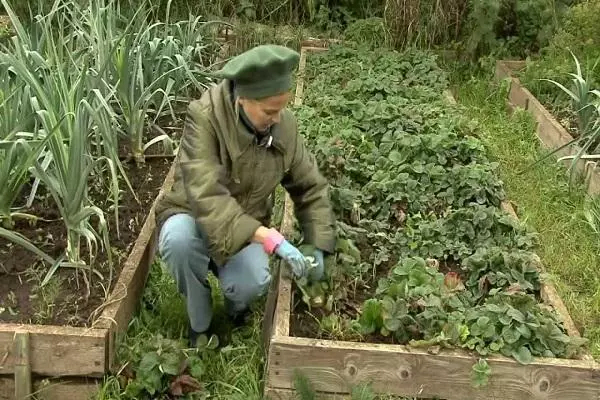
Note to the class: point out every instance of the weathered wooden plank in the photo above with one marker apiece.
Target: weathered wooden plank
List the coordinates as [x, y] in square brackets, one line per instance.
[335, 367]
[514, 65]
[124, 299]
[227, 36]
[287, 394]
[300, 78]
[281, 320]
[54, 389]
[22, 367]
[56, 351]
[270, 307]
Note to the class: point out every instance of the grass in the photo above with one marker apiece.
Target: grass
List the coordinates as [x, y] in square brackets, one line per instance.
[543, 198]
[44, 298]
[234, 372]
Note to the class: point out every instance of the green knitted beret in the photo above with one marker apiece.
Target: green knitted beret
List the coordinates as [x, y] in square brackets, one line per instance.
[262, 71]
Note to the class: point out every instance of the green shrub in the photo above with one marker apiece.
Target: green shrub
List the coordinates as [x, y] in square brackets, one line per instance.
[580, 34]
[369, 31]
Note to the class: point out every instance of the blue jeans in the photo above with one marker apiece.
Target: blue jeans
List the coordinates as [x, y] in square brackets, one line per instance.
[244, 278]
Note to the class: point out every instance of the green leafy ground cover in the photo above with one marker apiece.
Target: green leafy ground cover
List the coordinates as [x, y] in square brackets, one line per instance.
[425, 256]
[568, 245]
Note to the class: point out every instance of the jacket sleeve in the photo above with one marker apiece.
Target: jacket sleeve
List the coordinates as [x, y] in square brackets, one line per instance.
[226, 225]
[309, 191]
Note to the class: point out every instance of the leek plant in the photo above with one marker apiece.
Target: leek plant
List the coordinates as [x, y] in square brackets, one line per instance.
[586, 104]
[135, 94]
[143, 63]
[156, 66]
[16, 151]
[73, 82]
[68, 107]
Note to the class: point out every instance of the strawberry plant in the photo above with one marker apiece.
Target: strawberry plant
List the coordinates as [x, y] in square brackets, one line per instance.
[164, 368]
[426, 255]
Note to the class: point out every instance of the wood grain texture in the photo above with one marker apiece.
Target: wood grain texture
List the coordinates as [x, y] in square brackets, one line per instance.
[300, 78]
[56, 351]
[281, 319]
[54, 389]
[270, 307]
[336, 367]
[287, 394]
[227, 36]
[22, 367]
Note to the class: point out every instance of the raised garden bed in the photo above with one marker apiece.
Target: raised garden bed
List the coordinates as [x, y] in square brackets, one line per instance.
[551, 133]
[87, 348]
[337, 358]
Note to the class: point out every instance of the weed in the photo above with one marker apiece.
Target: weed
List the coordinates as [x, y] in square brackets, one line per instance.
[44, 298]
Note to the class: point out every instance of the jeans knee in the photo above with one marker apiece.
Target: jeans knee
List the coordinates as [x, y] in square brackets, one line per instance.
[181, 246]
[247, 288]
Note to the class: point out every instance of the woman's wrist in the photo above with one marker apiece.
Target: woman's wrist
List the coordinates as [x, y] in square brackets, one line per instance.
[261, 235]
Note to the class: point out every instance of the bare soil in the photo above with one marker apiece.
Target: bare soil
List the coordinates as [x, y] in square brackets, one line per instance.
[63, 301]
[304, 322]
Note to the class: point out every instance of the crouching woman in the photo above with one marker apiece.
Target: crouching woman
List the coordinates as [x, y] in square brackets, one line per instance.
[239, 142]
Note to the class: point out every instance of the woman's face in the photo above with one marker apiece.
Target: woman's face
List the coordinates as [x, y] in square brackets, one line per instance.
[265, 112]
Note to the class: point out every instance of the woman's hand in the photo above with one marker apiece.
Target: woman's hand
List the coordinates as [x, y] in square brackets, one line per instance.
[274, 243]
[293, 257]
[318, 273]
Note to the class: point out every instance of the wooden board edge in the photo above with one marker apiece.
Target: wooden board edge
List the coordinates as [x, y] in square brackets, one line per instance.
[281, 319]
[57, 350]
[307, 42]
[55, 389]
[588, 364]
[123, 301]
[551, 133]
[288, 394]
[335, 366]
[506, 68]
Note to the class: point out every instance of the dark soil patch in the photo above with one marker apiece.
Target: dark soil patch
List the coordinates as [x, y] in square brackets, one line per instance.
[566, 116]
[63, 301]
[305, 322]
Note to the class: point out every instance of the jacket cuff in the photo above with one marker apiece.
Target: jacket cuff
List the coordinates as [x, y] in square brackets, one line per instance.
[323, 241]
